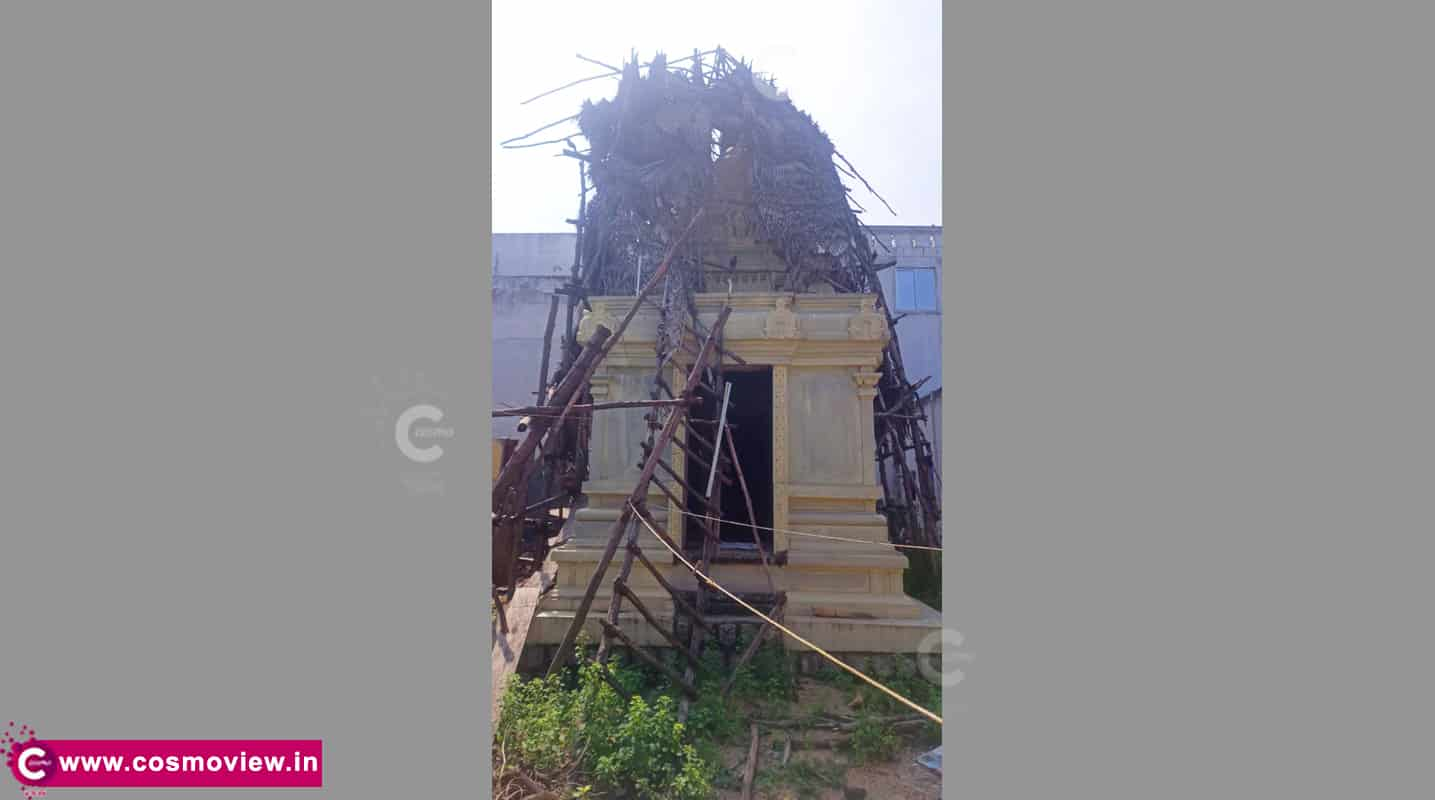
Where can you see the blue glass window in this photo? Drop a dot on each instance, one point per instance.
(916, 289)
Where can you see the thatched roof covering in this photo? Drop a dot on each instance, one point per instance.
(720, 138)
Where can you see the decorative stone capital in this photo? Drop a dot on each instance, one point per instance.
(779, 424)
(867, 324)
(601, 387)
(782, 320)
(866, 382)
(589, 323)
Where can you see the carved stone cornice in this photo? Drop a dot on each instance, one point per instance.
(868, 324)
(866, 381)
(601, 387)
(767, 328)
(590, 321)
(782, 320)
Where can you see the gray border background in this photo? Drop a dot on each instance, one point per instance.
(238, 238)
(1189, 401)
(1189, 425)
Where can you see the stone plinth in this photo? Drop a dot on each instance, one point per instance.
(824, 351)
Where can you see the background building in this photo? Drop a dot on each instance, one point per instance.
(914, 289)
(527, 268)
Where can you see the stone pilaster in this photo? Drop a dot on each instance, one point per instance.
(866, 381)
(781, 437)
(844, 592)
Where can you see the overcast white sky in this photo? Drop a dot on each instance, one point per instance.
(869, 73)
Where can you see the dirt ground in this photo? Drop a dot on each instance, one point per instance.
(899, 779)
(902, 779)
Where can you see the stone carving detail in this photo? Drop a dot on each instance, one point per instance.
(866, 383)
(782, 321)
(779, 447)
(779, 508)
(779, 424)
(601, 387)
(868, 324)
(589, 323)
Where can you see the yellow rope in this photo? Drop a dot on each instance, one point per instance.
(774, 623)
(805, 533)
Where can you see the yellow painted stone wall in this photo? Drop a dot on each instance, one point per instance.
(824, 351)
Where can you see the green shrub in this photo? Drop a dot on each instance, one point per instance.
(535, 727)
(873, 740)
(628, 747)
(768, 675)
(648, 755)
(712, 716)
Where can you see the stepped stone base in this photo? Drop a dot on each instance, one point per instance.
(843, 637)
(840, 621)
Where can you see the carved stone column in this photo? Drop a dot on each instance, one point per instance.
(866, 381)
(781, 443)
(843, 582)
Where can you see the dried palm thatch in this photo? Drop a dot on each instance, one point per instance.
(724, 139)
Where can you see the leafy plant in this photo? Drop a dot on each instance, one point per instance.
(873, 740)
(712, 717)
(768, 675)
(629, 747)
(536, 725)
(647, 754)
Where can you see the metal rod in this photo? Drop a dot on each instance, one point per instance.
(722, 422)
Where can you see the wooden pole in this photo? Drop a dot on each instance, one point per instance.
(621, 586)
(678, 602)
(615, 534)
(751, 515)
(547, 350)
(549, 411)
(711, 530)
(516, 465)
(577, 377)
(751, 771)
(614, 630)
(753, 645)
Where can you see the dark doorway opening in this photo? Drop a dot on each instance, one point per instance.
(750, 416)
